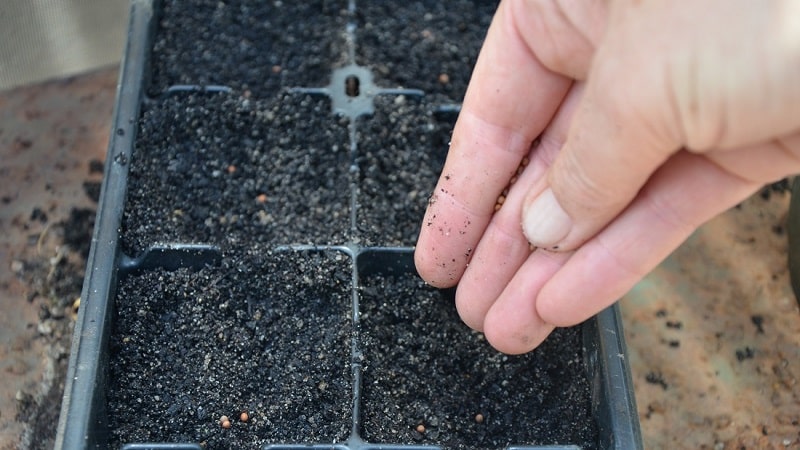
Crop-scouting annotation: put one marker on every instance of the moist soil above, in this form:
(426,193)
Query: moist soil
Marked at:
(253,46)
(227,170)
(427,45)
(402,148)
(424,367)
(270,329)
(262,333)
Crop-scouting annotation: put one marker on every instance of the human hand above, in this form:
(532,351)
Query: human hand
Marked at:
(640,121)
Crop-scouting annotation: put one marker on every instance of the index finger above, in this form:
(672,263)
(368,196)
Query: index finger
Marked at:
(510,100)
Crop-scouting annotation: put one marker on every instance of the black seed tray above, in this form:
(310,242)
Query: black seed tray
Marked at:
(253,249)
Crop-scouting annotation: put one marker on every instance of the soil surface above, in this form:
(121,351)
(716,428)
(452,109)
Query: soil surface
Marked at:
(266,334)
(227,170)
(401,151)
(427,45)
(250,46)
(424,367)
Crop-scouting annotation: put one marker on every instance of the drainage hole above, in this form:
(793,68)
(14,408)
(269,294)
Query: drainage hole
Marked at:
(351,86)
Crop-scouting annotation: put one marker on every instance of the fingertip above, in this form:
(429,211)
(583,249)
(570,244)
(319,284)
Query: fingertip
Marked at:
(512,324)
(469,311)
(550,307)
(506,336)
(436,275)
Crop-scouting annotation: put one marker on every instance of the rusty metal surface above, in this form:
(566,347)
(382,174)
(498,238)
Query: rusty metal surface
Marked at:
(49,135)
(714,337)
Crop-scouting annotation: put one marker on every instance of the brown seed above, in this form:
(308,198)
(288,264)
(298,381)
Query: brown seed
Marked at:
(420,428)
(444,78)
(261,198)
(479,418)
(512,180)
(226,424)
(231,169)
(497,206)
(525,161)
(223,419)
(244,417)
(501,199)
(276,69)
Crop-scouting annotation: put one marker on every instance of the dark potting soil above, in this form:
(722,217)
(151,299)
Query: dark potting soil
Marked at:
(401,152)
(424,44)
(261,46)
(264,333)
(223,169)
(424,367)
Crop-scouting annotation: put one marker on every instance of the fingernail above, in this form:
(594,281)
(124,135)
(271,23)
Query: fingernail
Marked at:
(545,223)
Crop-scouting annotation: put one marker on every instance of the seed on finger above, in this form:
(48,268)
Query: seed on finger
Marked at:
(502,198)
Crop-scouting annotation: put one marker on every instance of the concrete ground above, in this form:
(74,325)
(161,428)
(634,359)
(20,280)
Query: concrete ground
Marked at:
(53,140)
(714,337)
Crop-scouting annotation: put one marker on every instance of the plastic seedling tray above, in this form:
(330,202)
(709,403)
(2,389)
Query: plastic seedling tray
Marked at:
(265,180)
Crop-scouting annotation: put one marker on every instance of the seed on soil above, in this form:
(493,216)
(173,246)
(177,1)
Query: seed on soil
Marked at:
(261,198)
(479,418)
(420,428)
(244,417)
(226,424)
(444,78)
